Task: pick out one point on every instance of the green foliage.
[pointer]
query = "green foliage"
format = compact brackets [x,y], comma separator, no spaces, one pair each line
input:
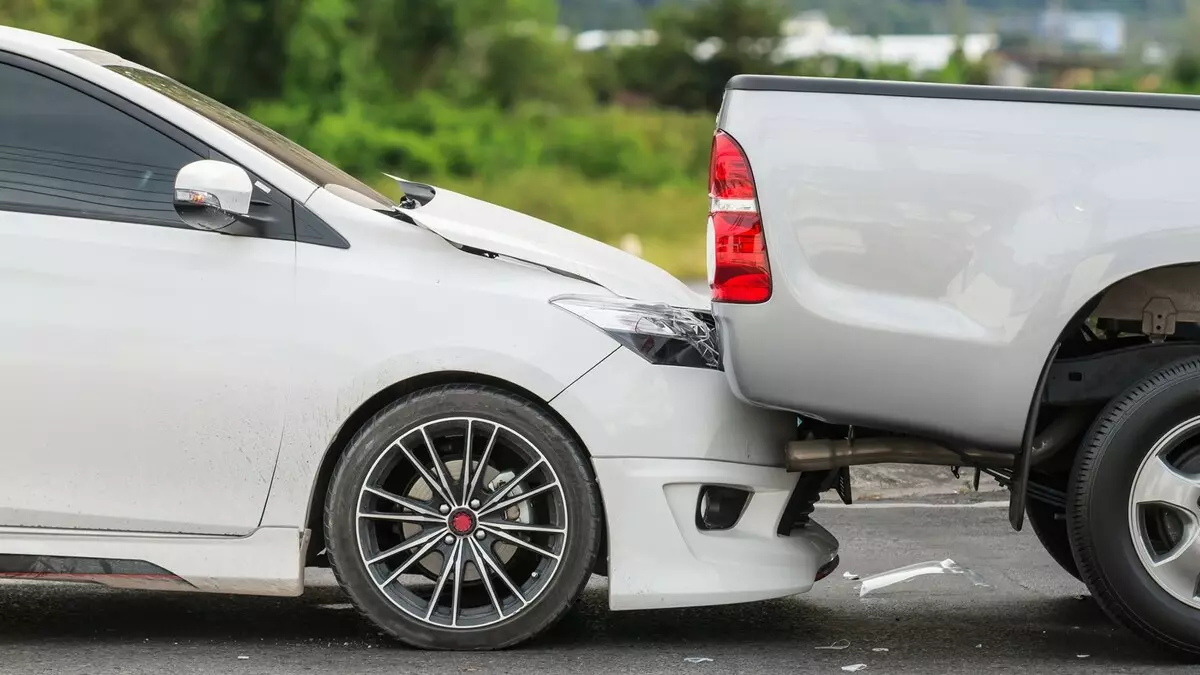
[487,97]
[678,72]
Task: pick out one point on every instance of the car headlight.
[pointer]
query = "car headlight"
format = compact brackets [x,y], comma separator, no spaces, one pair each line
[660,333]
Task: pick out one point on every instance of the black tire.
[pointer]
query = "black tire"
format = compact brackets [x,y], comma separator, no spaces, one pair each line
[1098,504]
[1050,527]
[560,450]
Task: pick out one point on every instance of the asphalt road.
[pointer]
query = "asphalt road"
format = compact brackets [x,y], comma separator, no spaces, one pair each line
[1031,617]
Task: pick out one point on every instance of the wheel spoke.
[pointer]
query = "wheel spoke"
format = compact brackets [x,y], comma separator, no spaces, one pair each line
[483,461]
[442,473]
[406,503]
[447,567]
[464,474]
[1179,570]
[520,527]
[434,484]
[512,484]
[481,567]
[458,581]
[518,499]
[402,517]
[491,562]
[426,570]
[421,553]
[519,542]
[410,544]
[1161,483]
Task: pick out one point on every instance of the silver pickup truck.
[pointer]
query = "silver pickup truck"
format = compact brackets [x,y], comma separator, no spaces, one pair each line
[1005,280]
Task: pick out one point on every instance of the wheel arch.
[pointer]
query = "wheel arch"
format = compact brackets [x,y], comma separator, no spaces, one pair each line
[385,397]
[1129,298]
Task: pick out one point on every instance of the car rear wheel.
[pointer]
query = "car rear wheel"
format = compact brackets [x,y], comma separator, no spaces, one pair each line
[1133,508]
[463,517]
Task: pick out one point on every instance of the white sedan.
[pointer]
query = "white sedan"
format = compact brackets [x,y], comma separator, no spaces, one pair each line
[223,360]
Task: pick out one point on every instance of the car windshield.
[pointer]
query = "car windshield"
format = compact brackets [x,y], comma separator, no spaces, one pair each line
[262,137]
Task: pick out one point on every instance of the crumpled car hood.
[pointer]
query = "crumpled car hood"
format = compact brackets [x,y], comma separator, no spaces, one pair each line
[477,224]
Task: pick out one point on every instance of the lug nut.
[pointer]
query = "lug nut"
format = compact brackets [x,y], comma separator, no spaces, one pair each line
[444,508]
[474,503]
[480,534]
[448,540]
[534,574]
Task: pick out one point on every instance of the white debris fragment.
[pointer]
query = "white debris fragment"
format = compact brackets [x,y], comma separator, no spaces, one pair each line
[978,645]
[698,659]
[839,645]
[855,668]
[880,649]
[243,658]
[849,576]
[1082,656]
[901,575]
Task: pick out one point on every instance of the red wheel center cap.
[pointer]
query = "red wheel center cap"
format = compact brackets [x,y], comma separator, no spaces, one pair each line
[462,523]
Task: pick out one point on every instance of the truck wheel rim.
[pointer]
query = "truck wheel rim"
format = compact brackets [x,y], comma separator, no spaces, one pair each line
[1164,513]
[461,523]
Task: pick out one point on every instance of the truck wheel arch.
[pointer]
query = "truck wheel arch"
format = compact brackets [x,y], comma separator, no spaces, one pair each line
[1158,301]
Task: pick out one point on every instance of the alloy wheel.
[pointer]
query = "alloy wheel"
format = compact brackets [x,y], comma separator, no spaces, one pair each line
[461,522]
[1164,512]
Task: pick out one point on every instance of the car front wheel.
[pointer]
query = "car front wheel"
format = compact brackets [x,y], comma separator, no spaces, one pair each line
[463,517]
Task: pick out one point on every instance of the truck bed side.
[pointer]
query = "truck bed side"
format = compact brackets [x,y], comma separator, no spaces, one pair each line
[928,244]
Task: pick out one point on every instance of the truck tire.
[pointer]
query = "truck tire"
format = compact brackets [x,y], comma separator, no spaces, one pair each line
[445,561]
[1133,508]
[1050,527]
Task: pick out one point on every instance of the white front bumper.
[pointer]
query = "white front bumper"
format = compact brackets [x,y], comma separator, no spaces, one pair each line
[658,557]
[656,435]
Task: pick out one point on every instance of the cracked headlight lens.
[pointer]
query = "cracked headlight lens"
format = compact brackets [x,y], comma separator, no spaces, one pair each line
[660,333]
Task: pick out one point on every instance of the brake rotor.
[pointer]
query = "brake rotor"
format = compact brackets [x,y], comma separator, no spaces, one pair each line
[431,565]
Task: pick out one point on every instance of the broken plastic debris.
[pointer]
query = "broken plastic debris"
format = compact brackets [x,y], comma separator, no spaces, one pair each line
[879,649]
[855,668]
[840,644]
[698,659]
[901,575]
[851,576]
[1082,656]
[243,658]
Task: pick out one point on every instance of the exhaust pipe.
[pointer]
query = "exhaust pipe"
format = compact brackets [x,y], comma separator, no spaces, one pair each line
[826,454]
[822,455]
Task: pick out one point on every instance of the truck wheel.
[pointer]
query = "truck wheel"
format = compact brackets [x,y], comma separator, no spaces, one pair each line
[463,517]
[1050,527]
[1133,508]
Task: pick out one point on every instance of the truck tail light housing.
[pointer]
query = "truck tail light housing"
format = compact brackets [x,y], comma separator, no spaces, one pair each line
[738,269]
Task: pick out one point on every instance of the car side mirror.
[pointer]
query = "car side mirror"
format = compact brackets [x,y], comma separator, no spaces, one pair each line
[212,195]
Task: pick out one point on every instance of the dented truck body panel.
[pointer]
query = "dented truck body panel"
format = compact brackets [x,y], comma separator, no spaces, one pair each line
[928,244]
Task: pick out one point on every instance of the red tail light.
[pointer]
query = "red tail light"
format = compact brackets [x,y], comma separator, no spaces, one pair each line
[738,270]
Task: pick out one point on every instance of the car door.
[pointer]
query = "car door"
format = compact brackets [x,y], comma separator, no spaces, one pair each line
[143,364]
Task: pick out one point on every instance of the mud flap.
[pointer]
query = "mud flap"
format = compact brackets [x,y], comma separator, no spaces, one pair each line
[1019,488]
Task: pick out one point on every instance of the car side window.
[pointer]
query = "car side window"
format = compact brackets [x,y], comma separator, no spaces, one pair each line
[65,152]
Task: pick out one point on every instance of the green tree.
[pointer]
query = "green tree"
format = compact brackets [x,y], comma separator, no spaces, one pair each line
[253,34]
[699,48]
[527,64]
